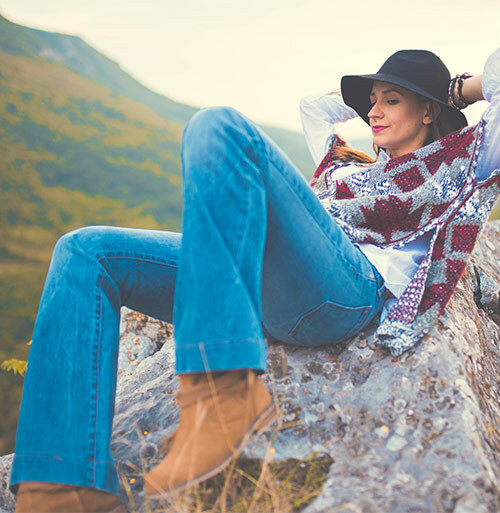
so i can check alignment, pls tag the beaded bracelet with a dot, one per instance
(451, 95)
(461, 79)
(460, 102)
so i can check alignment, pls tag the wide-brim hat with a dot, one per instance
(420, 71)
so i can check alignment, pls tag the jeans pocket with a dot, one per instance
(329, 323)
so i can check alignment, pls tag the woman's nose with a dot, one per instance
(374, 112)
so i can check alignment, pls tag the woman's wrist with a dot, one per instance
(465, 90)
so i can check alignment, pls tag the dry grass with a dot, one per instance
(249, 486)
(246, 485)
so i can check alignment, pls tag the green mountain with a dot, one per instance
(73, 154)
(82, 142)
(78, 56)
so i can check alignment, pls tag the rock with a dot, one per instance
(487, 292)
(7, 499)
(418, 433)
(140, 337)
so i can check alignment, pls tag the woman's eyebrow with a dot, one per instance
(388, 91)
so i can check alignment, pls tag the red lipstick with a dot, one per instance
(378, 128)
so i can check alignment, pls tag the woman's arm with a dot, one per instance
(319, 113)
(487, 87)
(472, 90)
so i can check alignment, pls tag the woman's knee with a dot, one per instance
(87, 240)
(211, 119)
(210, 129)
(217, 143)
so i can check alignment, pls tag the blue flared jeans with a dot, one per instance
(258, 258)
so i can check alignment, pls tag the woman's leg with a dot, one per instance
(252, 227)
(259, 247)
(67, 408)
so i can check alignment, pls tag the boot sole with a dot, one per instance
(261, 424)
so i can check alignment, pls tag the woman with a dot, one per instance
(410, 215)
(259, 254)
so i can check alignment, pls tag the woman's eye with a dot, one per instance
(392, 102)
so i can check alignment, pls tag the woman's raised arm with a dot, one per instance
(319, 113)
(487, 87)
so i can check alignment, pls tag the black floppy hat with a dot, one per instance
(420, 71)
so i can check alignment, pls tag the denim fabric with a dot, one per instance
(258, 258)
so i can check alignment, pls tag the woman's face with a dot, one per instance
(399, 121)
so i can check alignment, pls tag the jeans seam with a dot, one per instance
(221, 342)
(239, 253)
(95, 362)
(102, 255)
(248, 149)
(58, 458)
(93, 461)
(136, 258)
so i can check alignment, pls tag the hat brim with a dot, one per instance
(356, 91)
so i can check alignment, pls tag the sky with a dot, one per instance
(262, 56)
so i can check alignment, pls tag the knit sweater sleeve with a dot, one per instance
(319, 114)
(489, 156)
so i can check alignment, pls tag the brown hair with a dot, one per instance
(439, 128)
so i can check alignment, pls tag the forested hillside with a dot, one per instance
(72, 154)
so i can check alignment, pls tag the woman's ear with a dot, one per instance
(431, 112)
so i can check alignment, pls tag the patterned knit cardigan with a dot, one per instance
(392, 203)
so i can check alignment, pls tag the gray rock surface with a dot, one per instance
(7, 499)
(414, 434)
(140, 337)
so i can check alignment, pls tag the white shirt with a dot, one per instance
(319, 115)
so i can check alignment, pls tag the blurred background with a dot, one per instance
(94, 97)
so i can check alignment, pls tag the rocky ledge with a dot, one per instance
(414, 434)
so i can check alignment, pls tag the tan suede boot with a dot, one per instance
(41, 497)
(219, 412)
